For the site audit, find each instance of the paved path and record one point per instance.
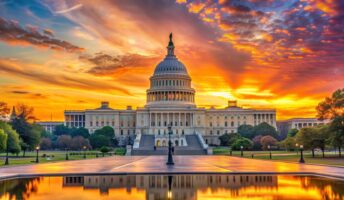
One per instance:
(156, 164)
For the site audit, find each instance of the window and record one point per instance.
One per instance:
(218, 132)
(226, 124)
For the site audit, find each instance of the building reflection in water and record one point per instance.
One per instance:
(186, 186)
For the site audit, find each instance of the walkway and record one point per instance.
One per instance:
(156, 164)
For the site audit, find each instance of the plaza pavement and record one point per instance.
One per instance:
(156, 164)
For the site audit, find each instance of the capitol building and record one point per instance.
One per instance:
(170, 101)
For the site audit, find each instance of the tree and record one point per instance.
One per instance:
(267, 140)
(227, 139)
(246, 131)
(265, 129)
(292, 132)
(45, 143)
(336, 129)
(313, 137)
(79, 142)
(331, 107)
(62, 130)
(256, 142)
(3, 140)
(305, 137)
(4, 110)
(97, 141)
(80, 132)
(35, 135)
(22, 123)
(104, 150)
(246, 143)
(107, 131)
(12, 138)
(64, 142)
(23, 146)
(288, 143)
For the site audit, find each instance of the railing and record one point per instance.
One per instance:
(201, 140)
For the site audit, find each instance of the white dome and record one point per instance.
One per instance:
(170, 65)
(170, 84)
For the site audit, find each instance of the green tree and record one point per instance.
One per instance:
(292, 132)
(23, 124)
(265, 129)
(336, 137)
(332, 108)
(12, 138)
(227, 139)
(313, 137)
(97, 141)
(83, 132)
(23, 146)
(106, 131)
(104, 150)
(288, 143)
(35, 135)
(246, 131)
(3, 140)
(62, 130)
(245, 142)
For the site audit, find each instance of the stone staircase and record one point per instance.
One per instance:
(147, 147)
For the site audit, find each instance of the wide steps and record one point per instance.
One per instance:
(147, 147)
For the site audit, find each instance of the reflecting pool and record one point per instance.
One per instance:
(186, 186)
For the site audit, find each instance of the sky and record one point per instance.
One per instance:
(72, 54)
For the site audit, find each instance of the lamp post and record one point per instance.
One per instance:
(170, 158)
(269, 147)
(301, 155)
(84, 147)
(37, 150)
(67, 158)
(297, 148)
(242, 152)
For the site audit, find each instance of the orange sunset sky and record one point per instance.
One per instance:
(72, 54)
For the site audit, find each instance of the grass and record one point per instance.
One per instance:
(331, 158)
(54, 156)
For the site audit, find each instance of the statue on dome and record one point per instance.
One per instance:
(171, 42)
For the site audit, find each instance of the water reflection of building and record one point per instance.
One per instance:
(182, 187)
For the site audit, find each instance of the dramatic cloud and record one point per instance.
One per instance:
(106, 64)
(12, 33)
(32, 72)
(283, 54)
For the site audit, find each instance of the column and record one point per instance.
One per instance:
(184, 119)
(168, 119)
(179, 119)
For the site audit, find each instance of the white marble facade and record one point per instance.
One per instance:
(170, 101)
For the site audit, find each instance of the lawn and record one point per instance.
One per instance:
(53, 156)
(331, 158)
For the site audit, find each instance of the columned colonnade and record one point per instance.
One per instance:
(177, 119)
(170, 96)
